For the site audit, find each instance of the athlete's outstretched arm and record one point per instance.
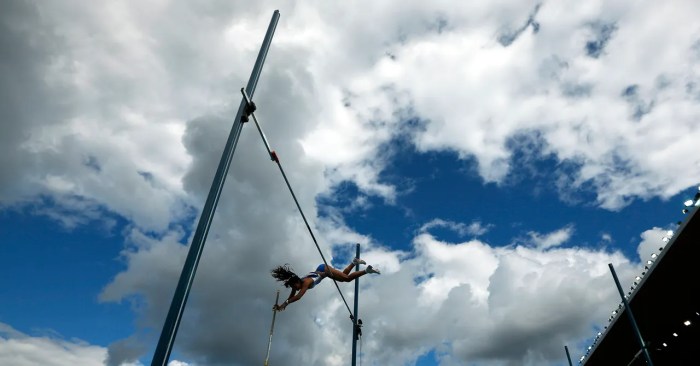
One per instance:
(292, 297)
(279, 307)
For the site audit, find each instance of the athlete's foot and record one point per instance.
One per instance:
(357, 261)
(369, 269)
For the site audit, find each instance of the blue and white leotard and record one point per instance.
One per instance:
(317, 275)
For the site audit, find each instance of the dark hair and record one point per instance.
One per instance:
(285, 274)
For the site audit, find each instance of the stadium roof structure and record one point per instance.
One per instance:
(665, 307)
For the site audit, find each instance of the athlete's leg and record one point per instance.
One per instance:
(343, 277)
(356, 274)
(354, 262)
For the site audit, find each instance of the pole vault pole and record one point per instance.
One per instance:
(355, 327)
(272, 328)
(177, 306)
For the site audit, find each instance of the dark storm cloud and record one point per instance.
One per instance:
(26, 100)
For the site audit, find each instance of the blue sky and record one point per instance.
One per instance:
(491, 159)
(439, 185)
(56, 276)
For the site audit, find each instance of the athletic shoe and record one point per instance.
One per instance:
(369, 269)
(357, 261)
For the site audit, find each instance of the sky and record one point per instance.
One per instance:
(491, 158)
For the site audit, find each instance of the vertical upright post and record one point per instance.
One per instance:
(355, 330)
(272, 328)
(568, 356)
(177, 306)
(628, 310)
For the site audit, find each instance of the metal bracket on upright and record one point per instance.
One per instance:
(250, 111)
(250, 107)
(358, 329)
